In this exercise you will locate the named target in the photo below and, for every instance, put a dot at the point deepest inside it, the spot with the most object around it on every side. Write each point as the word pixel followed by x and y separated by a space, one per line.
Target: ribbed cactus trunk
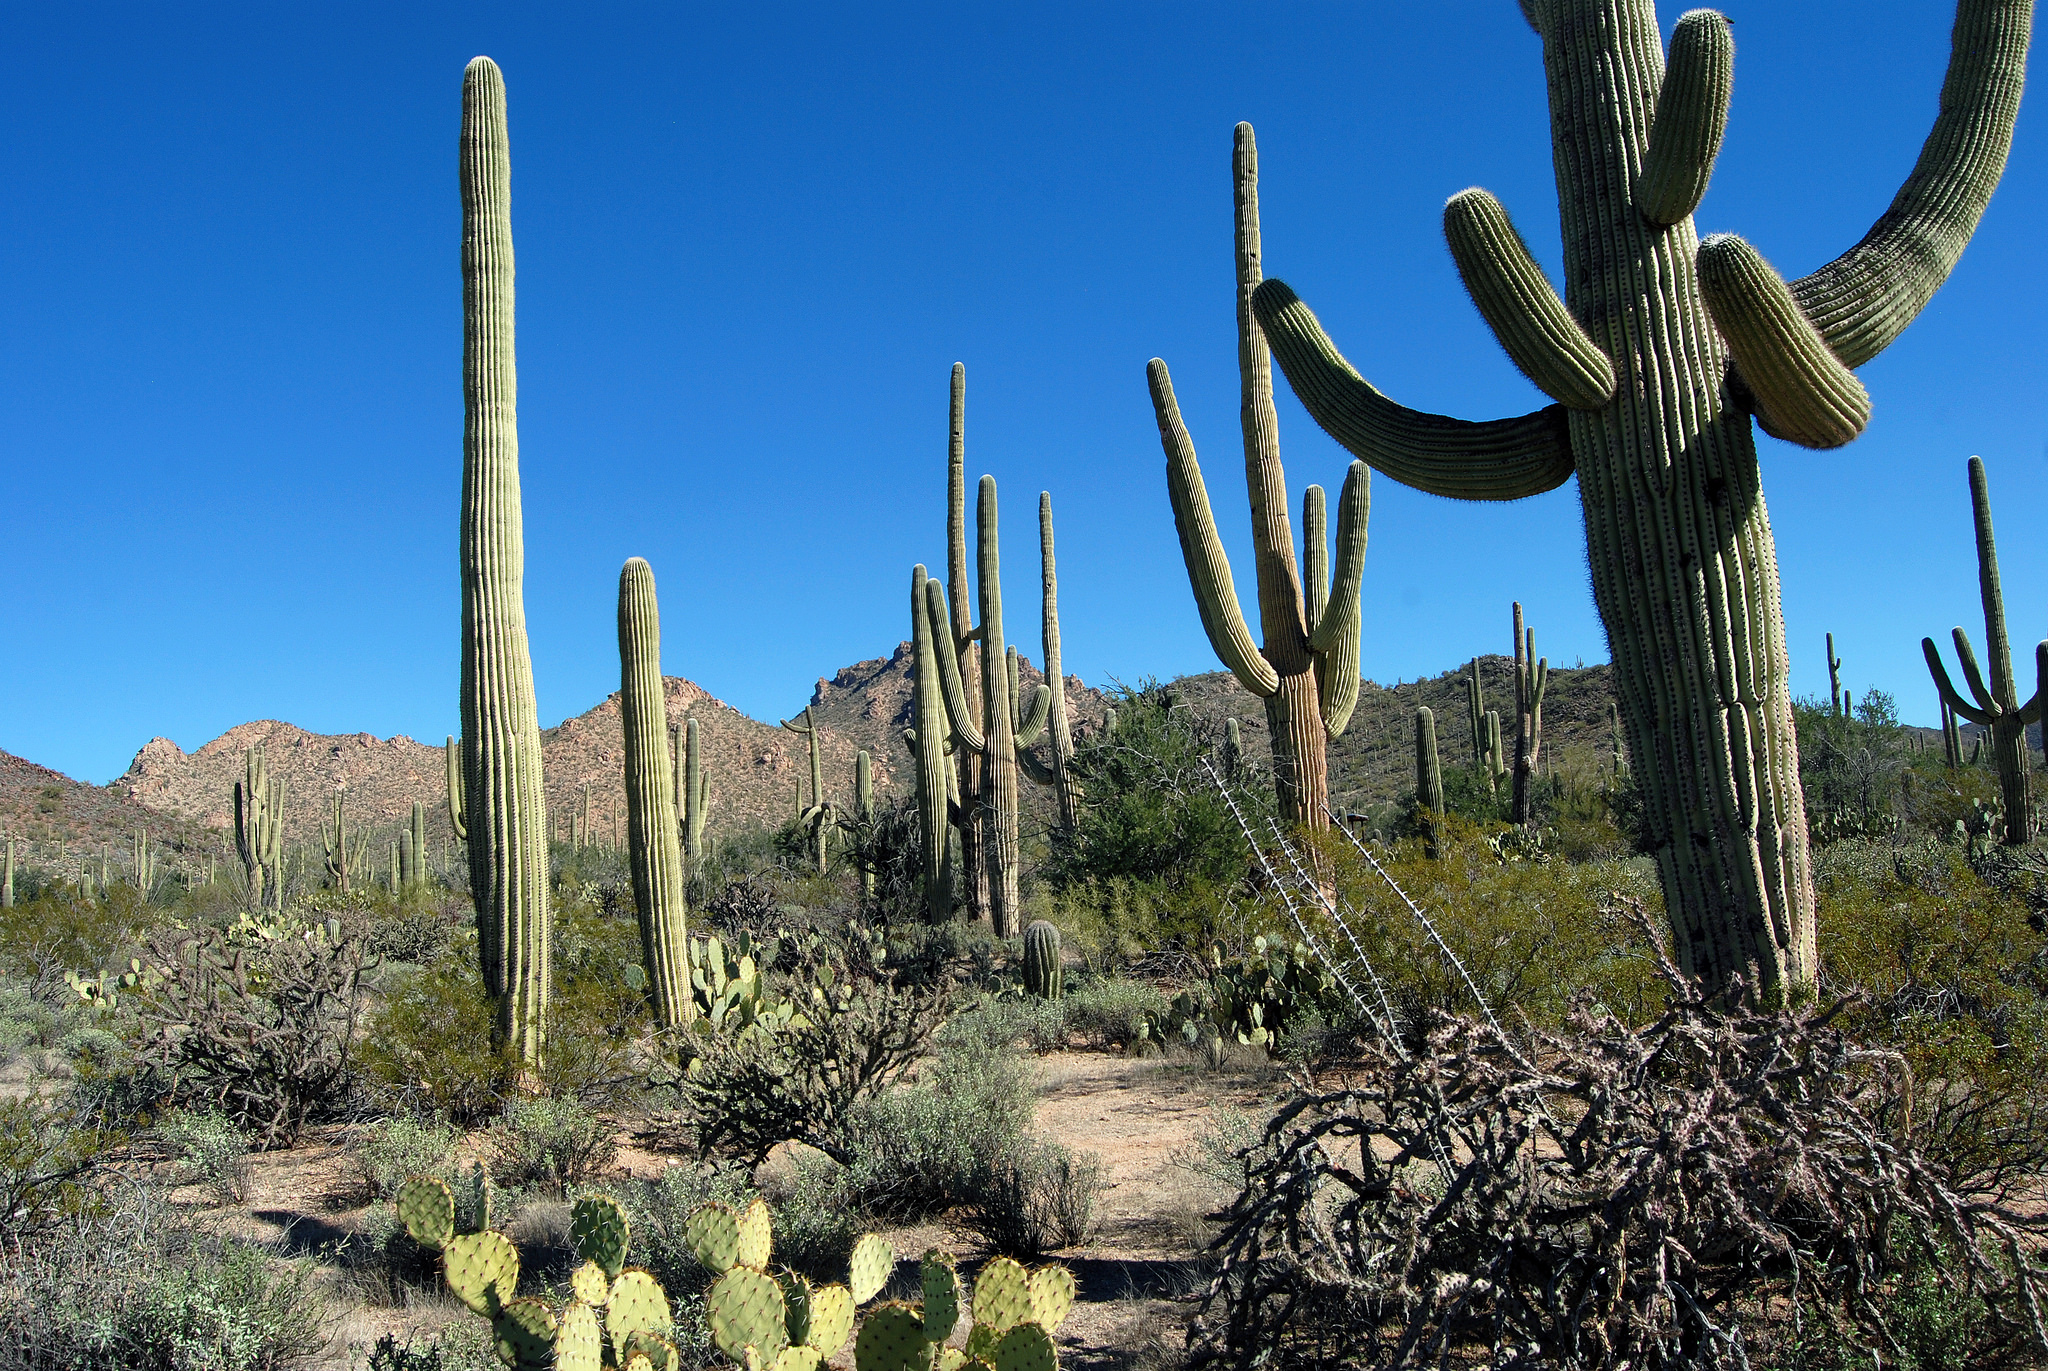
pixel 1059 734
pixel 968 816
pixel 506 811
pixel 1001 851
pixel 693 794
pixel 656 856
pixel 1531 675
pixel 927 742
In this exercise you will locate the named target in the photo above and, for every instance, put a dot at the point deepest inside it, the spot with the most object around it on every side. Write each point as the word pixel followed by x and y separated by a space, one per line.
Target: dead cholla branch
pixel 1636 1197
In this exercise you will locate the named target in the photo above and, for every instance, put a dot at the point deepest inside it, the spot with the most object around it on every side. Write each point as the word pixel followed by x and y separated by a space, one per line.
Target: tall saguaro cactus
pixel 926 739
pixel 1059 734
pixel 965 640
pixel 1532 674
pixel 259 827
pixel 657 861
pixel 1997 705
pixel 1662 349
pixel 1838 700
pixel 343 858
pixel 995 728
pixel 817 816
pixel 506 815
pixel 693 794
pixel 1306 669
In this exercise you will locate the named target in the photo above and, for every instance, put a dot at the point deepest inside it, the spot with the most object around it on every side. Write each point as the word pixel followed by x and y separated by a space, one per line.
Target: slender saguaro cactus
pixel 1658 355
pixel 1233 748
pixel 1059 736
pixel 1531 676
pixel 927 743
pixel 1306 670
pixel 965 638
pixel 259 827
pixel 1429 778
pixel 1838 705
pixel 864 805
pixel 1998 705
pixel 656 856
pixel 1951 736
pixel 341 857
pixel 507 828
pixel 693 793
pixel 1487 753
pixel 817 816
pixel 1004 726
pixel 7 882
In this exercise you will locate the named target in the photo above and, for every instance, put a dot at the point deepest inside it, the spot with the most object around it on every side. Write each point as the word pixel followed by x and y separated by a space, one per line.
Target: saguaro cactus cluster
pixel 259 827
pixel 818 817
pixel 505 821
pixel 651 836
pixel 1532 675
pixel 937 796
pixel 342 857
pixel 1661 351
pixel 1306 669
pixel 1997 703
pixel 1487 752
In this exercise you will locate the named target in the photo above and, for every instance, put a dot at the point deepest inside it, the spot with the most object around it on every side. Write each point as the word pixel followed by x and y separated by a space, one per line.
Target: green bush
pixel 1112 1011
pixel 215 1152
pixel 659 1208
pixel 816 1214
pixel 387 1152
pixel 50 1169
pixel 429 1043
pixel 551 1144
pixel 1037 1198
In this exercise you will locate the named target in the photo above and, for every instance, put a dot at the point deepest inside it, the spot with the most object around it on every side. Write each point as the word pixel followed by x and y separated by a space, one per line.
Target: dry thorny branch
pixel 1601 1196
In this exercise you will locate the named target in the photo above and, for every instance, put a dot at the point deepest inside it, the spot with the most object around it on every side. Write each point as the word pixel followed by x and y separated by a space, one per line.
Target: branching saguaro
pixel 505 818
pixel 1997 706
pixel 1306 669
pixel 1659 354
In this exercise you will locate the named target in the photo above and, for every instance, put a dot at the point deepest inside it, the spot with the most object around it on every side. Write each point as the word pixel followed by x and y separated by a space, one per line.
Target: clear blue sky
pixel 749 249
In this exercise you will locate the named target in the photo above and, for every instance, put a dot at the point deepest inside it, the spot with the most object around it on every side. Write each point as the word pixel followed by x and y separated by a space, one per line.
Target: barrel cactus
pixel 654 849
pixel 1042 960
pixel 1660 353
pixel 506 814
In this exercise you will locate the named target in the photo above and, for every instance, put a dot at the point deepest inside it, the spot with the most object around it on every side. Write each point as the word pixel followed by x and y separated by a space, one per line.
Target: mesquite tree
pixel 1660 353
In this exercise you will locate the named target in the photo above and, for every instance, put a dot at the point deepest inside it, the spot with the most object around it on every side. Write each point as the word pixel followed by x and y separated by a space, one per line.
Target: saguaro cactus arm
pixel 1029 718
pixel 1864 299
pixel 1336 628
pixel 457 816
pixel 951 693
pixel 1515 298
pixel 1802 393
pixel 1692 116
pixel 1201 546
pixel 1499 459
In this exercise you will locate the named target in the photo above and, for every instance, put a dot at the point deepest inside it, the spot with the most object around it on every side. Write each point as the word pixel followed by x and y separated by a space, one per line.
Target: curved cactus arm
pixel 1986 697
pixel 1031 723
pixel 2030 712
pixel 1802 392
pixel 1336 636
pixel 1947 687
pixel 1201 548
pixel 1692 116
pixel 1315 553
pixel 457 815
pixel 965 732
pixel 1516 299
pixel 1864 299
pixel 1499 459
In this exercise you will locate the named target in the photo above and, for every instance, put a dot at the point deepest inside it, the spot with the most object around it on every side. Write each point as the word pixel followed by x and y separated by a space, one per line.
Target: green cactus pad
pixel 661 1354
pixel 1027 1347
pixel 941 1295
pixel 743 1308
pixel 638 1362
pixel 796 1307
pixel 426 1206
pixel 579 1341
pixel 590 1284
pixel 598 1227
pixel 756 1238
pixel 713 1233
pixel 524 1334
pixel 892 1339
pixel 831 1319
pixel 981 1342
pixel 1052 1295
pixel 1002 1295
pixel 870 1267
pixel 949 1359
pixel 638 1304
pixel 797 1358
pixel 482 1270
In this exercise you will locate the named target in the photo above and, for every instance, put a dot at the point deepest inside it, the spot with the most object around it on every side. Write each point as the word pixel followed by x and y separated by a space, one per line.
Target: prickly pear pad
pixel 1002 1295
pixel 1052 1295
pixel 638 1362
pixel 579 1342
pixel 869 1270
pixel 590 1284
pixel 713 1233
pixel 756 1238
pixel 661 1354
pixel 598 1227
pixel 743 1308
pixel 831 1319
pixel 796 1307
pixel 892 1339
pixel 941 1295
pixel 524 1333
pixel 426 1206
pixel 1027 1347
pixel 950 1359
pixel 482 1270
pixel 798 1358
pixel 637 1304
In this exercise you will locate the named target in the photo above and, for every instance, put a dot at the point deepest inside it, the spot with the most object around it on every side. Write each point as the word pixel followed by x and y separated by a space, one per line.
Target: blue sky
pixel 749 250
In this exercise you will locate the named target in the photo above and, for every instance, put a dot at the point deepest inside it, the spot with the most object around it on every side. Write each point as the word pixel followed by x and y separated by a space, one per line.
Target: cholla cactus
pixel 1042 972
pixel 1661 351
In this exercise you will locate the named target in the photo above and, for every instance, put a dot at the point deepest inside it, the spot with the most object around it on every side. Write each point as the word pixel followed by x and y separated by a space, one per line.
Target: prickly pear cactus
pixel 426 1206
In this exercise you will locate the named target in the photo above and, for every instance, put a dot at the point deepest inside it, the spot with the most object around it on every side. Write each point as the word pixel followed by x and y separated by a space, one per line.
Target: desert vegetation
pixel 1636 1016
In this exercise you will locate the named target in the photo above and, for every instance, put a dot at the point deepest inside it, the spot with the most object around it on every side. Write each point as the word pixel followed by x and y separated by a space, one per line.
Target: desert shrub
pixel 214 1151
pixel 1037 1198
pixel 887 847
pixel 816 1214
pixel 1112 1011
pixel 58 930
pixel 257 1023
pixel 1459 1197
pixel 550 1143
pixel 461 1345
pixel 1851 766
pixel 133 1287
pixel 658 1209
pixel 28 1020
pixel 386 1152
pixel 429 1043
pixel 50 1168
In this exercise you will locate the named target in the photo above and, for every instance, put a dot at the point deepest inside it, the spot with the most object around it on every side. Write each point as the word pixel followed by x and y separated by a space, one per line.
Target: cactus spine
pixel 259 827
pixel 656 856
pixel 1662 349
pixel 817 816
pixel 1997 705
pixel 1042 960
pixel 1532 674
pixel 693 795
pixel 927 743
pixel 1306 671
pixel 1004 724
pixel 508 841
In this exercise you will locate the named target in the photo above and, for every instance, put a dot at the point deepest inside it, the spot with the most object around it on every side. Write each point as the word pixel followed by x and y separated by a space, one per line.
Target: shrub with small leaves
pixel 214 1151
pixel 550 1143
pixel 386 1151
